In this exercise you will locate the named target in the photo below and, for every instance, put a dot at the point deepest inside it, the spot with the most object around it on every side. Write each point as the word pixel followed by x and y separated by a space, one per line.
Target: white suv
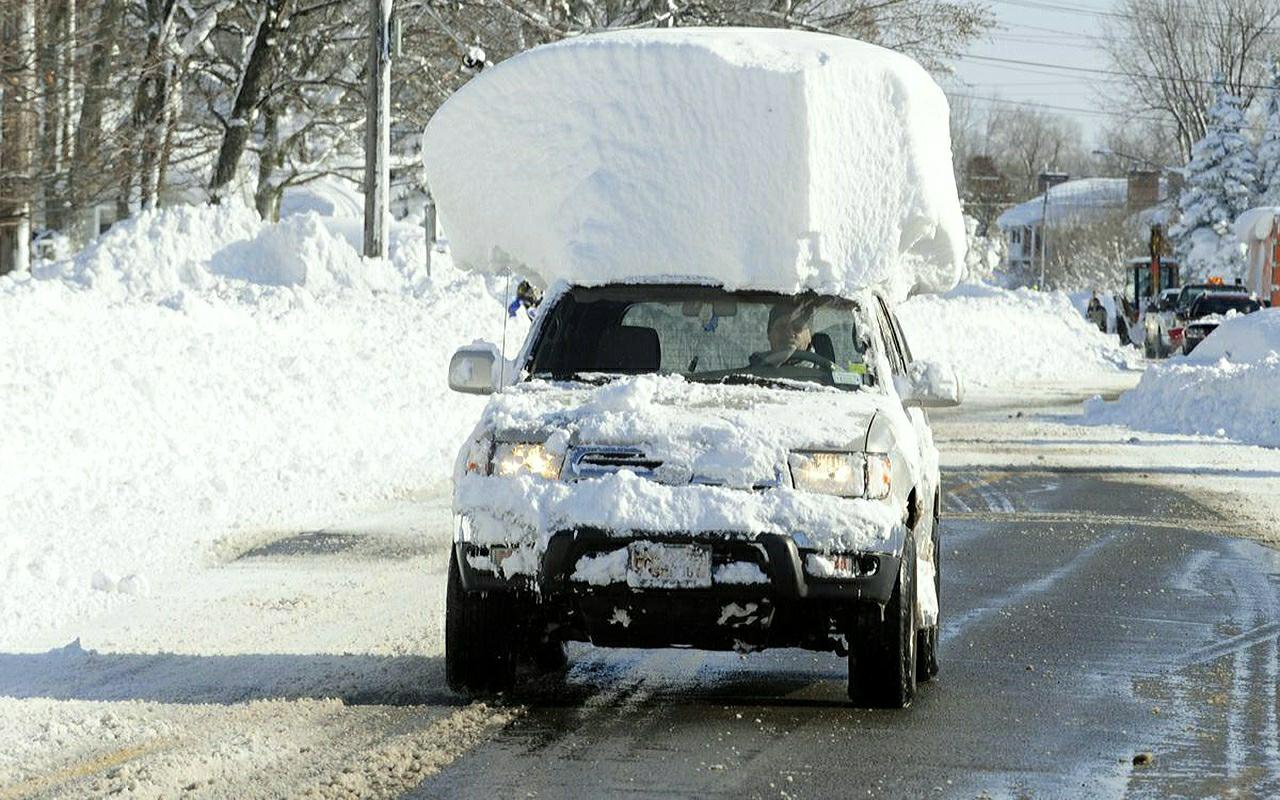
pixel 678 464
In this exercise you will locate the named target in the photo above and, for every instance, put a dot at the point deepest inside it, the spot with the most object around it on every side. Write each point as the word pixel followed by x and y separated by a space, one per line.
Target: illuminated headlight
pixel 511 460
pixel 842 474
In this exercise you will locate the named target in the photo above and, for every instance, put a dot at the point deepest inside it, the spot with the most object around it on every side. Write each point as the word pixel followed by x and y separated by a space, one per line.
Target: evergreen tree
pixel 1221 183
pixel 1269 148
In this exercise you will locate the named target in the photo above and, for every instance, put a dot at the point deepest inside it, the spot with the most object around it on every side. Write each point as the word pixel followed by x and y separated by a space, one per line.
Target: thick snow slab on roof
pixel 757 158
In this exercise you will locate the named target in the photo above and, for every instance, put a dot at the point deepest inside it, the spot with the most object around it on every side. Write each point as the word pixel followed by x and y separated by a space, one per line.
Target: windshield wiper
pixel 593 378
pixel 746 379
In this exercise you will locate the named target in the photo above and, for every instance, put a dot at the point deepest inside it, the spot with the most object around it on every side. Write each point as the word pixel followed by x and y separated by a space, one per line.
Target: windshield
pixel 704 334
pixel 1220 304
pixel 1190 294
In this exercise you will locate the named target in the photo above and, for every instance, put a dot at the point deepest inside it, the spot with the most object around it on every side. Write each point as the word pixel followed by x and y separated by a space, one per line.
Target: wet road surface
pixel 1085 623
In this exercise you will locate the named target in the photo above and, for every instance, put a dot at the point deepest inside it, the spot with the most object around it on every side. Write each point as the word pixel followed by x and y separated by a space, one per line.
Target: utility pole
pixel 377 136
pixel 1044 235
pixel 1047 181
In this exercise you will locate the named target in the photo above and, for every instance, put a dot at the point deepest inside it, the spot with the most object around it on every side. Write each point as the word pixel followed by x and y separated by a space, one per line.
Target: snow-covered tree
pixel 1221 182
pixel 1269 147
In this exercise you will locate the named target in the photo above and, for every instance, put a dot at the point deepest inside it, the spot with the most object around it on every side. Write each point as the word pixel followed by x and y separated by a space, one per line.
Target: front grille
pixel 596 461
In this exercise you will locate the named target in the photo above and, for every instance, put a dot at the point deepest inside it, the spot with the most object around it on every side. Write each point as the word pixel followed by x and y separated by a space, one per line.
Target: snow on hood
pixel 527 511
pixel 735 435
pixel 766 159
pixel 715 443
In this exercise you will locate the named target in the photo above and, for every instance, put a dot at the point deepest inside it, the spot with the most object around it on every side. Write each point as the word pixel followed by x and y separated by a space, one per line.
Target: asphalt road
pixel 1087 625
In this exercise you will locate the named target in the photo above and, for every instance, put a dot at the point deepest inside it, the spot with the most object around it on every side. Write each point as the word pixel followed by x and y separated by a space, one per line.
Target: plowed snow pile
pixel 196 379
pixel 756 158
pixel 1229 387
pixel 1000 339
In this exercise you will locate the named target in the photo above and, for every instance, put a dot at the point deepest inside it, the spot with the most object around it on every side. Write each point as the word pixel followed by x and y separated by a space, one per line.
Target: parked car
pixel 1157 323
pixel 1209 310
pixel 680 465
pixel 1165 327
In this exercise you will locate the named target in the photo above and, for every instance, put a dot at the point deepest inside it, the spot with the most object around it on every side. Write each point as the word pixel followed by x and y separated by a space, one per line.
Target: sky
pixel 1050 35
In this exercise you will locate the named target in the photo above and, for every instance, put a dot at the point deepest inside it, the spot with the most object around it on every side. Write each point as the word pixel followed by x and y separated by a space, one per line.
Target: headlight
pixel 511 460
pixel 842 474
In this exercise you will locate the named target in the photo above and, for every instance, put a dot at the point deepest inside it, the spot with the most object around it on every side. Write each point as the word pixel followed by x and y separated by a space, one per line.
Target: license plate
pixel 651 565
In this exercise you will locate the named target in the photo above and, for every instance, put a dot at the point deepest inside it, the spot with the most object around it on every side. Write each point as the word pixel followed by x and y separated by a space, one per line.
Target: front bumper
pixel 792 608
pixel 777 556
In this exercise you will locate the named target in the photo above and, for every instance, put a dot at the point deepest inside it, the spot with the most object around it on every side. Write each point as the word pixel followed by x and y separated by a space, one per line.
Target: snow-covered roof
pixel 1256 224
pixel 768 159
pixel 1071 201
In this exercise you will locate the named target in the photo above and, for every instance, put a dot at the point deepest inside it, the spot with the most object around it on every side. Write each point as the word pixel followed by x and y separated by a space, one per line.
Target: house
pixel 1065 203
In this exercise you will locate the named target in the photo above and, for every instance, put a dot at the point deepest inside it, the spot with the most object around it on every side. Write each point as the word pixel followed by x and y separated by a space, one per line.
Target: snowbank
pixel 1241 338
pixel 1228 387
pixel 1000 339
pixel 195 379
pixel 763 158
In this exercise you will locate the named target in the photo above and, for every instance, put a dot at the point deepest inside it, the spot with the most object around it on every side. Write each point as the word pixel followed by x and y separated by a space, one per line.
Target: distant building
pixel 1067 203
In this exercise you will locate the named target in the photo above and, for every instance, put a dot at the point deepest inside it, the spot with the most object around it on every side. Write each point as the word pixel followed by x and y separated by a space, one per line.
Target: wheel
pixel 548 657
pixel 882 645
pixel 927 639
pixel 479 638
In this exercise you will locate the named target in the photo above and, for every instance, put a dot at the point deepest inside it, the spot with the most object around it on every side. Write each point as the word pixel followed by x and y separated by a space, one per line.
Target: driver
pixel 789 330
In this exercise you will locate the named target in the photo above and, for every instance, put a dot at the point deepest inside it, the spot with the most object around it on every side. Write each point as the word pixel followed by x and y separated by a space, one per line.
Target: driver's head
pixel 789 327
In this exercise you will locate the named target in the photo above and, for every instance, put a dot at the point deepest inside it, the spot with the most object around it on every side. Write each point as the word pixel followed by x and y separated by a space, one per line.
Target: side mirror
pixel 472 370
pixel 929 384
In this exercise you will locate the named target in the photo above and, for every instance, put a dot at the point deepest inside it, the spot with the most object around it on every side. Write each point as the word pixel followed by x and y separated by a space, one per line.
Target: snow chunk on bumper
pixel 523 510
pixel 761 159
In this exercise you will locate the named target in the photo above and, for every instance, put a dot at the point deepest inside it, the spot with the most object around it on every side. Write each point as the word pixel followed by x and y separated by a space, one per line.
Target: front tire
pixel 882 645
pixel 927 640
pixel 479 638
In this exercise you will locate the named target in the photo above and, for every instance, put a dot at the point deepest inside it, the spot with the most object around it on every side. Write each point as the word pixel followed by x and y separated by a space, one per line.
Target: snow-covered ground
pixel 196 382
pixel 190 388
pixel 1228 388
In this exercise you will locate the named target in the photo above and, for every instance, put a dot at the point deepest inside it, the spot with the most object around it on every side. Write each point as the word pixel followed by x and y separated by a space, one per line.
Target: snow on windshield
pixel 766 159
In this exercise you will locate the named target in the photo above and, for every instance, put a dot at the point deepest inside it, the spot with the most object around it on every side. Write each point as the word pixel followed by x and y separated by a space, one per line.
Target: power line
pixel 1089 70
pixel 1052 107
pixel 1064 9
pixel 1195 21
pixel 1009 84
pixel 1058 31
